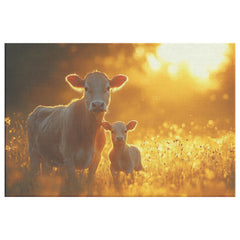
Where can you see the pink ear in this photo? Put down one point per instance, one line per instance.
(131, 125)
(118, 81)
(106, 125)
(75, 81)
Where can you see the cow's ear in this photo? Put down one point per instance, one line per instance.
(106, 125)
(118, 81)
(75, 81)
(131, 125)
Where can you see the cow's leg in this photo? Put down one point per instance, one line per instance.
(116, 179)
(113, 172)
(100, 140)
(130, 178)
(129, 173)
(70, 165)
(94, 164)
(130, 167)
(45, 168)
(35, 160)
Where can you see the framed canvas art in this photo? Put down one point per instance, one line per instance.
(120, 119)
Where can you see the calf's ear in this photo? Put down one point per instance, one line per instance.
(131, 125)
(118, 81)
(106, 125)
(75, 81)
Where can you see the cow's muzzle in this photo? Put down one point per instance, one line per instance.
(119, 139)
(97, 106)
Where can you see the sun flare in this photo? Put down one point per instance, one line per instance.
(202, 59)
(153, 62)
(172, 69)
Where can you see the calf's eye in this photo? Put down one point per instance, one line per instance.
(86, 89)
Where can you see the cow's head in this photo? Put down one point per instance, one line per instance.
(119, 131)
(97, 88)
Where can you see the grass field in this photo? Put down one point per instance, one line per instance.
(177, 162)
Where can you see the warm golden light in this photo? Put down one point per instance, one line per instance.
(153, 62)
(225, 96)
(139, 51)
(182, 95)
(172, 69)
(201, 58)
(198, 70)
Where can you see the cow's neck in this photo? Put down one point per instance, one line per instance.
(92, 122)
(94, 119)
(119, 149)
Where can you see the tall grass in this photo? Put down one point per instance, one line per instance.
(176, 162)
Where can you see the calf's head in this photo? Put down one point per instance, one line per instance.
(119, 131)
(97, 89)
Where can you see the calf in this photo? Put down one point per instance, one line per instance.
(123, 157)
(72, 135)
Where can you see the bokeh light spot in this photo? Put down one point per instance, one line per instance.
(153, 62)
(225, 96)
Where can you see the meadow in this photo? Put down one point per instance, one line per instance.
(179, 160)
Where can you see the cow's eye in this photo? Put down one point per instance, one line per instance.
(108, 88)
(125, 131)
(86, 89)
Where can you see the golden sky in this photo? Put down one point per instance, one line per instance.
(178, 83)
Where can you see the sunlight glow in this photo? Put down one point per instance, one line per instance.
(172, 69)
(139, 51)
(153, 62)
(225, 96)
(201, 58)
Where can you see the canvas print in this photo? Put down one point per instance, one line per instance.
(125, 120)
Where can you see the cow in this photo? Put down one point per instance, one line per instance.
(71, 135)
(123, 157)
